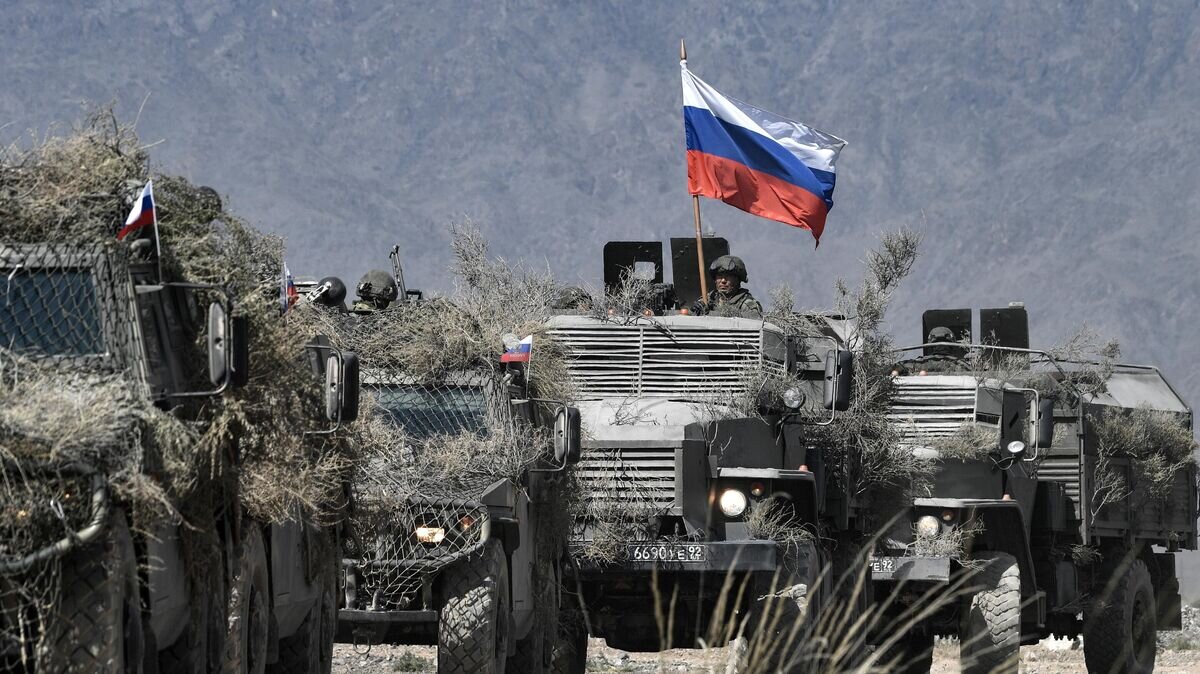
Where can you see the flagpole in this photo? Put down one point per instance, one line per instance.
(157, 241)
(696, 216)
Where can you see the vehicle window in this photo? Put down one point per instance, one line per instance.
(50, 312)
(423, 411)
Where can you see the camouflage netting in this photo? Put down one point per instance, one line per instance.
(434, 407)
(67, 195)
(436, 428)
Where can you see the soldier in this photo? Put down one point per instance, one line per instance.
(729, 294)
(376, 290)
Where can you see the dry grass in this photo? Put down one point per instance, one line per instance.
(1159, 444)
(76, 188)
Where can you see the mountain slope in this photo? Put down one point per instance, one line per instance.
(1046, 151)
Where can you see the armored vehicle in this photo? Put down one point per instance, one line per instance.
(89, 588)
(454, 536)
(691, 449)
(1060, 492)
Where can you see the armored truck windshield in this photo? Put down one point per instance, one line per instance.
(424, 411)
(50, 312)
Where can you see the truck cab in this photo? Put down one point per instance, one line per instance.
(697, 471)
(1027, 507)
(106, 311)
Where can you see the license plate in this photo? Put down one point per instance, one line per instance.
(668, 553)
(883, 564)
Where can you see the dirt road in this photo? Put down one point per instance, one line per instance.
(1045, 658)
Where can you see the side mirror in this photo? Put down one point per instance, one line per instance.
(1045, 423)
(838, 371)
(218, 345)
(567, 441)
(341, 387)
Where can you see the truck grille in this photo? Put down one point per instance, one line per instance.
(641, 477)
(931, 406)
(644, 360)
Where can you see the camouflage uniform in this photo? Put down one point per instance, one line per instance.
(738, 300)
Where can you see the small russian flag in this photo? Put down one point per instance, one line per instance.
(287, 290)
(142, 215)
(519, 353)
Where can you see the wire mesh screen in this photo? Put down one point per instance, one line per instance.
(431, 449)
(66, 413)
(398, 541)
(69, 303)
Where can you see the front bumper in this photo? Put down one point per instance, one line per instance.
(719, 556)
(365, 628)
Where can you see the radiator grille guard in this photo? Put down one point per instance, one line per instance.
(630, 477)
(651, 359)
(927, 407)
(387, 560)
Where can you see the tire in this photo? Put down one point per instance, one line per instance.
(473, 629)
(911, 654)
(568, 655)
(1119, 635)
(249, 606)
(310, 649)
(990, 631)
(533, 653)
(790, 611)
(200, 649)
(96, 625)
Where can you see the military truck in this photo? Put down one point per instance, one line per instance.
(462, 552)
(218, 591)
(676, 470)
(1052, 531)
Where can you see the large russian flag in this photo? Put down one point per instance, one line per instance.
(756, 160)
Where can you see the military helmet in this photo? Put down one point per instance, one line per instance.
(940, 334)
(377, 285)
(729, 264)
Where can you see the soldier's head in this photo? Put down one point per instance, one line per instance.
(730, 273)
(943, 337)
(377, 288)
(940, 334)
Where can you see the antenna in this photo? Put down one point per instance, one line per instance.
(398, 271)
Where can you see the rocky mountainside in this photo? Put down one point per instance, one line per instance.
(1046, 150)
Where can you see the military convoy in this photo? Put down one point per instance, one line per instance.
(1054, 533)
(219, 591)
(727, 515)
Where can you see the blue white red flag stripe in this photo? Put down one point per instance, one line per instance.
(519, 353)
(142, 214)
(287, 290)
(756, 160)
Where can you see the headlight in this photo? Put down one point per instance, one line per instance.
(431, 534)
(928, 526)
(1016, 447)
(793, 398)
(732, 502)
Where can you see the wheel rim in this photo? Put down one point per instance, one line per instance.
(1144, 637)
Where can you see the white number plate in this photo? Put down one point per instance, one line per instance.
(883, 564)
(668, 553)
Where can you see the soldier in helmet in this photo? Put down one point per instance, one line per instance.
(943, 353)
(376, 290)
(730, 273)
